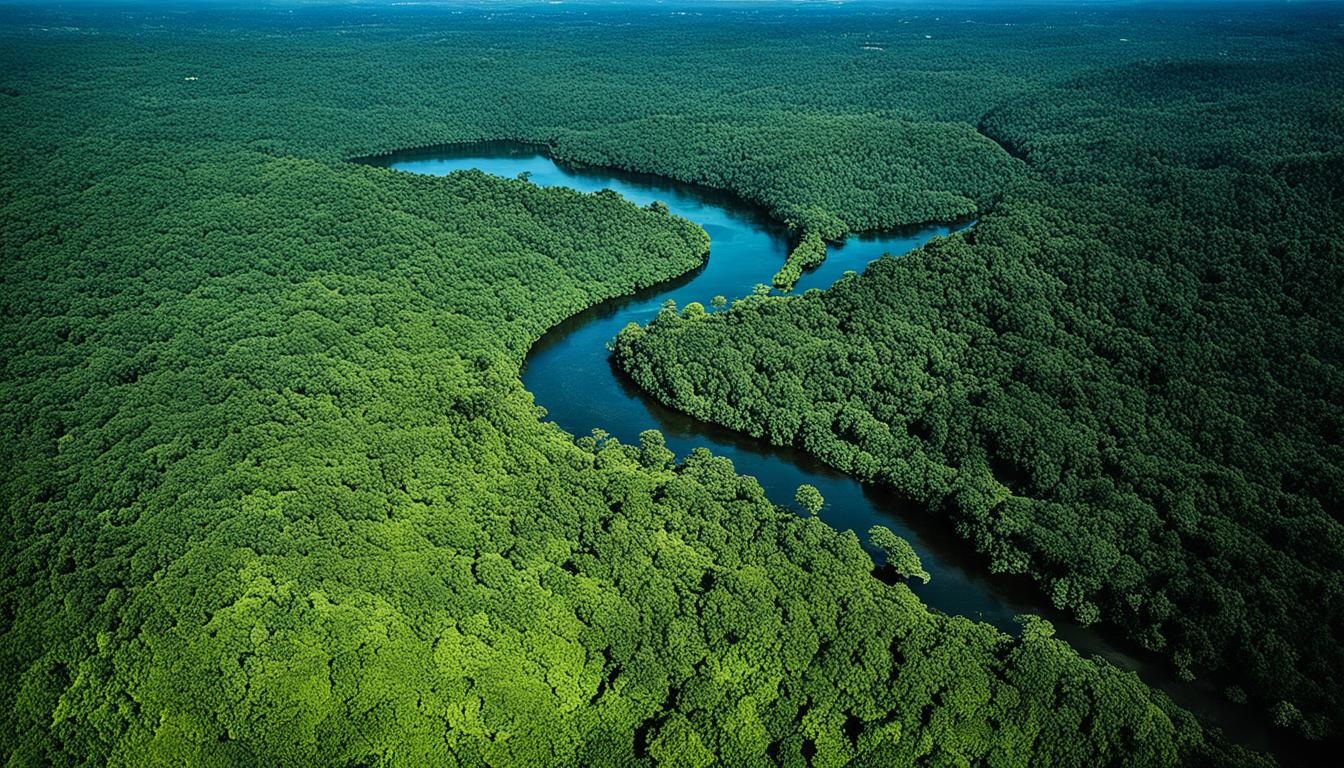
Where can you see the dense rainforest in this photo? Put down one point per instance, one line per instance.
(1126, 381)
(274, 492)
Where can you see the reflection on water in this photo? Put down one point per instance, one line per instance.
(570, 373)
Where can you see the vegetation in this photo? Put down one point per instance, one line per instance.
(274, 491)
(901, 557)
(809, 499)
(808, 253)
(1126, 381)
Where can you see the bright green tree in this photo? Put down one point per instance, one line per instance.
(809, 498)
(901, 557)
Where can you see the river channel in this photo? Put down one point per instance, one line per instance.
(569, 372)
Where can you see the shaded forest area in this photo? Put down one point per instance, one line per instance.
(274, 491)
(1126, 381)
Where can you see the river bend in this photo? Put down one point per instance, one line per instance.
(571, 375)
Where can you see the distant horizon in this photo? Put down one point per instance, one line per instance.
(893, 4)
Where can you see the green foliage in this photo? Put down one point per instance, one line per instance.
(901, 557)
(809, 499)
(808, 253)
(653, 451)
(827, 174)
(1125, 381)
(274, 493)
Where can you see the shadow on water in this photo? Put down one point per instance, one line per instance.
(570, 373)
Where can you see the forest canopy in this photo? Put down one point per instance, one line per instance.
(1126, 381)
(274, 492)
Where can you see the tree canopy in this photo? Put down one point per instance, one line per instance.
(274, 492)
(1127, 380)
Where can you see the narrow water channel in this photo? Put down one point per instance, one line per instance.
(570, 374)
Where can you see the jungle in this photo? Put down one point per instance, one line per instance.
(275, 493)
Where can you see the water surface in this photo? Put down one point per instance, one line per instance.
(570, 373)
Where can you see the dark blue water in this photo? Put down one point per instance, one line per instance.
(570, 373)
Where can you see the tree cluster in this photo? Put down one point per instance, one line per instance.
(274, 492)
(1127, 380)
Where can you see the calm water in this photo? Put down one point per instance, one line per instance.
(569, 372)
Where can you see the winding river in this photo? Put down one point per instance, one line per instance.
(569, 372)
